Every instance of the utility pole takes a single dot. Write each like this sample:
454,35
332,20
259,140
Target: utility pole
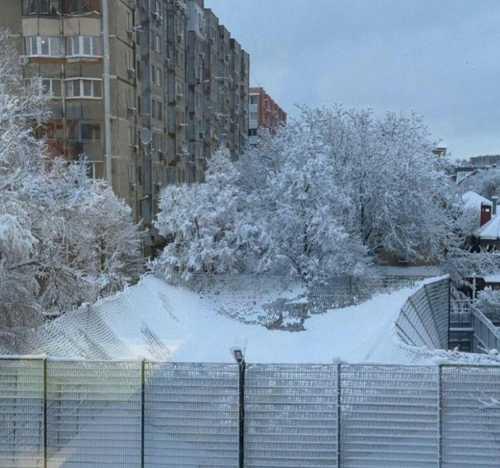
107,93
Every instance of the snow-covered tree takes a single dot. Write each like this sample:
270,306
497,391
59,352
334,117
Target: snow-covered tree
486,182
399,191
64,238
205,223
313,200
275,210
300,205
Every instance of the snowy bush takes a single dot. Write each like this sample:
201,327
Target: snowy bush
64,238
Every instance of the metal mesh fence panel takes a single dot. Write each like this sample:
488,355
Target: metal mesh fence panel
486,335
291,416
389,416
423,320
94,414
471,417
191,415
438,294
21,413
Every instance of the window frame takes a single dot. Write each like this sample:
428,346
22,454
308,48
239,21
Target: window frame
35,8
50,91
93,43
81,88
39,42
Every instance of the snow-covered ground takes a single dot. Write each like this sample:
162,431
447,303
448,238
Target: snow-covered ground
155,320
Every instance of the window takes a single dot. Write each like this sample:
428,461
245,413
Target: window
90,132
84,46
83,88
48,86
157,110
139,175
156,142
254,99
131,135
41,7
157,43
44,46
81,6
156,75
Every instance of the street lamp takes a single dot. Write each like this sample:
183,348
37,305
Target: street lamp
238,355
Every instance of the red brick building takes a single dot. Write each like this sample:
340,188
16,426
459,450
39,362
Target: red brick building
265,113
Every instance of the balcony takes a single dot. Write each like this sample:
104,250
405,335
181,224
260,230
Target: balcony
55,8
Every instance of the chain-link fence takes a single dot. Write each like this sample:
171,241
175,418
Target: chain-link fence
133,414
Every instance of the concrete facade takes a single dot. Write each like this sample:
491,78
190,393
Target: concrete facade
264,114
171,90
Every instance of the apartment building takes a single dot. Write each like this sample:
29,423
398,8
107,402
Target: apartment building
265,114
146,89
218,72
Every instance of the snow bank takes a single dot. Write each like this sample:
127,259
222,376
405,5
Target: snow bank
154,320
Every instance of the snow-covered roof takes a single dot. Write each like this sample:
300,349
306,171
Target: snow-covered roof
491,230
493,278
407,271
473,200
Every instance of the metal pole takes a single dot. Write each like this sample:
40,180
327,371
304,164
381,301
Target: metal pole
449,312
440,416
143,385
241,445
107,93
45,442
339,401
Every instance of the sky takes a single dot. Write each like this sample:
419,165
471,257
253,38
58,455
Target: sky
438,58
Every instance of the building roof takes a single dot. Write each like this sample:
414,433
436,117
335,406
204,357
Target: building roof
493,278
491,230
473,200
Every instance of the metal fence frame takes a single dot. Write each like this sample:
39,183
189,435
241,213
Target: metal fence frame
256,416
424,319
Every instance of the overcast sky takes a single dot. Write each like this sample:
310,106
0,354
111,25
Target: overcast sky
439,58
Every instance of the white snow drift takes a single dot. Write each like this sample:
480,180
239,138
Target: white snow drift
154,320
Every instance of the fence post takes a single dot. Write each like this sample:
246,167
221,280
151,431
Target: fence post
143,385
241,441
339,401
440,415
45,442
449,311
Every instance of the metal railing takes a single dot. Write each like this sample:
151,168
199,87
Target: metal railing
486,334
144,414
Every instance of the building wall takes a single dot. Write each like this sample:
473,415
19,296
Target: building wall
265,113
178,89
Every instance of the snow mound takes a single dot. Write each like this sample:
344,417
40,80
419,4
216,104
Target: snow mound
157,321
